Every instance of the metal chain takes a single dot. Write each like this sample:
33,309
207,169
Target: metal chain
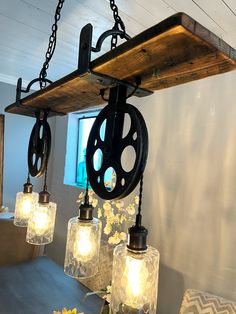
51,45
119,24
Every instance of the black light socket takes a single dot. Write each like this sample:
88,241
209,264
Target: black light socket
28,188
44,197
85,211
137,238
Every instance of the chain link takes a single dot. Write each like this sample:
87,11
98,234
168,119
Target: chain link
51,46
119,24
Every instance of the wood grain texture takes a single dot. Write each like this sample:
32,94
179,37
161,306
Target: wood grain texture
13,248
176,51
40,287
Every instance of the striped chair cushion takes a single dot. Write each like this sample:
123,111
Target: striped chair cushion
197,302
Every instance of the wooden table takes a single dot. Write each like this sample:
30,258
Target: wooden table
40,287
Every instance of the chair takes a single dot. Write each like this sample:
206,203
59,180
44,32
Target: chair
198,302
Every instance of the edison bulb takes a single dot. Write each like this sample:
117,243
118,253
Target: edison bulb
25,203
82,247
134,280
85,243
41,224
136,277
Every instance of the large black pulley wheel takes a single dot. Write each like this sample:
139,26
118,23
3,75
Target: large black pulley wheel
112,173
39,148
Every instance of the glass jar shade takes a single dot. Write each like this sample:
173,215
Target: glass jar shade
134,281
41,224
25,204
82,247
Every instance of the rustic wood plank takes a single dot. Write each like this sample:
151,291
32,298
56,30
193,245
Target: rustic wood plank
175,51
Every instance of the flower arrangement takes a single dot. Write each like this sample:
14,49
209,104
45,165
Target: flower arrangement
116,216
65,311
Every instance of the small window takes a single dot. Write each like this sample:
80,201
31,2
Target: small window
79,127
85,123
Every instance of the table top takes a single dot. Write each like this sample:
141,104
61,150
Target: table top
40,287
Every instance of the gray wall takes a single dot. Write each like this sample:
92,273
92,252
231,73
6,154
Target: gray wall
190,181
189,187
17,131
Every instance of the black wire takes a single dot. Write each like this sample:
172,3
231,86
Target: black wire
140,195
45,178
86,197
28,177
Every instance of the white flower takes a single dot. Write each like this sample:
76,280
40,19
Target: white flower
107,205
81,195
122,218
108,210
94,202
114,239
107,230
131,209
122,236
109,289
113,219
136,199
99,212
120,204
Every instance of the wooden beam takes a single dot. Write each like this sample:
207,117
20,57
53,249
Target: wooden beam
176,51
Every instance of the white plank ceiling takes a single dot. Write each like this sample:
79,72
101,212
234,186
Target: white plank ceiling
25,26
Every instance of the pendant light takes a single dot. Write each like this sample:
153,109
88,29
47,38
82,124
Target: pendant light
42,220
135,272
25,204
83,242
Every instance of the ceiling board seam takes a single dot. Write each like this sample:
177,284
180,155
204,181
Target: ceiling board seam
228,6
36,29
109,17
45,12
170,6
207,14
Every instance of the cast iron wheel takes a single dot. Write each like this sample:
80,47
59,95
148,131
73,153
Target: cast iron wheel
111,148
39,148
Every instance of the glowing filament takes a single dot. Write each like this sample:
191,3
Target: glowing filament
41,221
26,207
84,244
134,268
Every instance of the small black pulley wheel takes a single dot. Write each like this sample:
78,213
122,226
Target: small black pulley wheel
39,147
109,150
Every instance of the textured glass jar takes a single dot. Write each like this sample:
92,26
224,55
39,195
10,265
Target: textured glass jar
41,224
134,281
82,247
25,203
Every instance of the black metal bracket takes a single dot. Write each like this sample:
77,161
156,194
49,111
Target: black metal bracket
85,49
20,90
85,46
109,33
